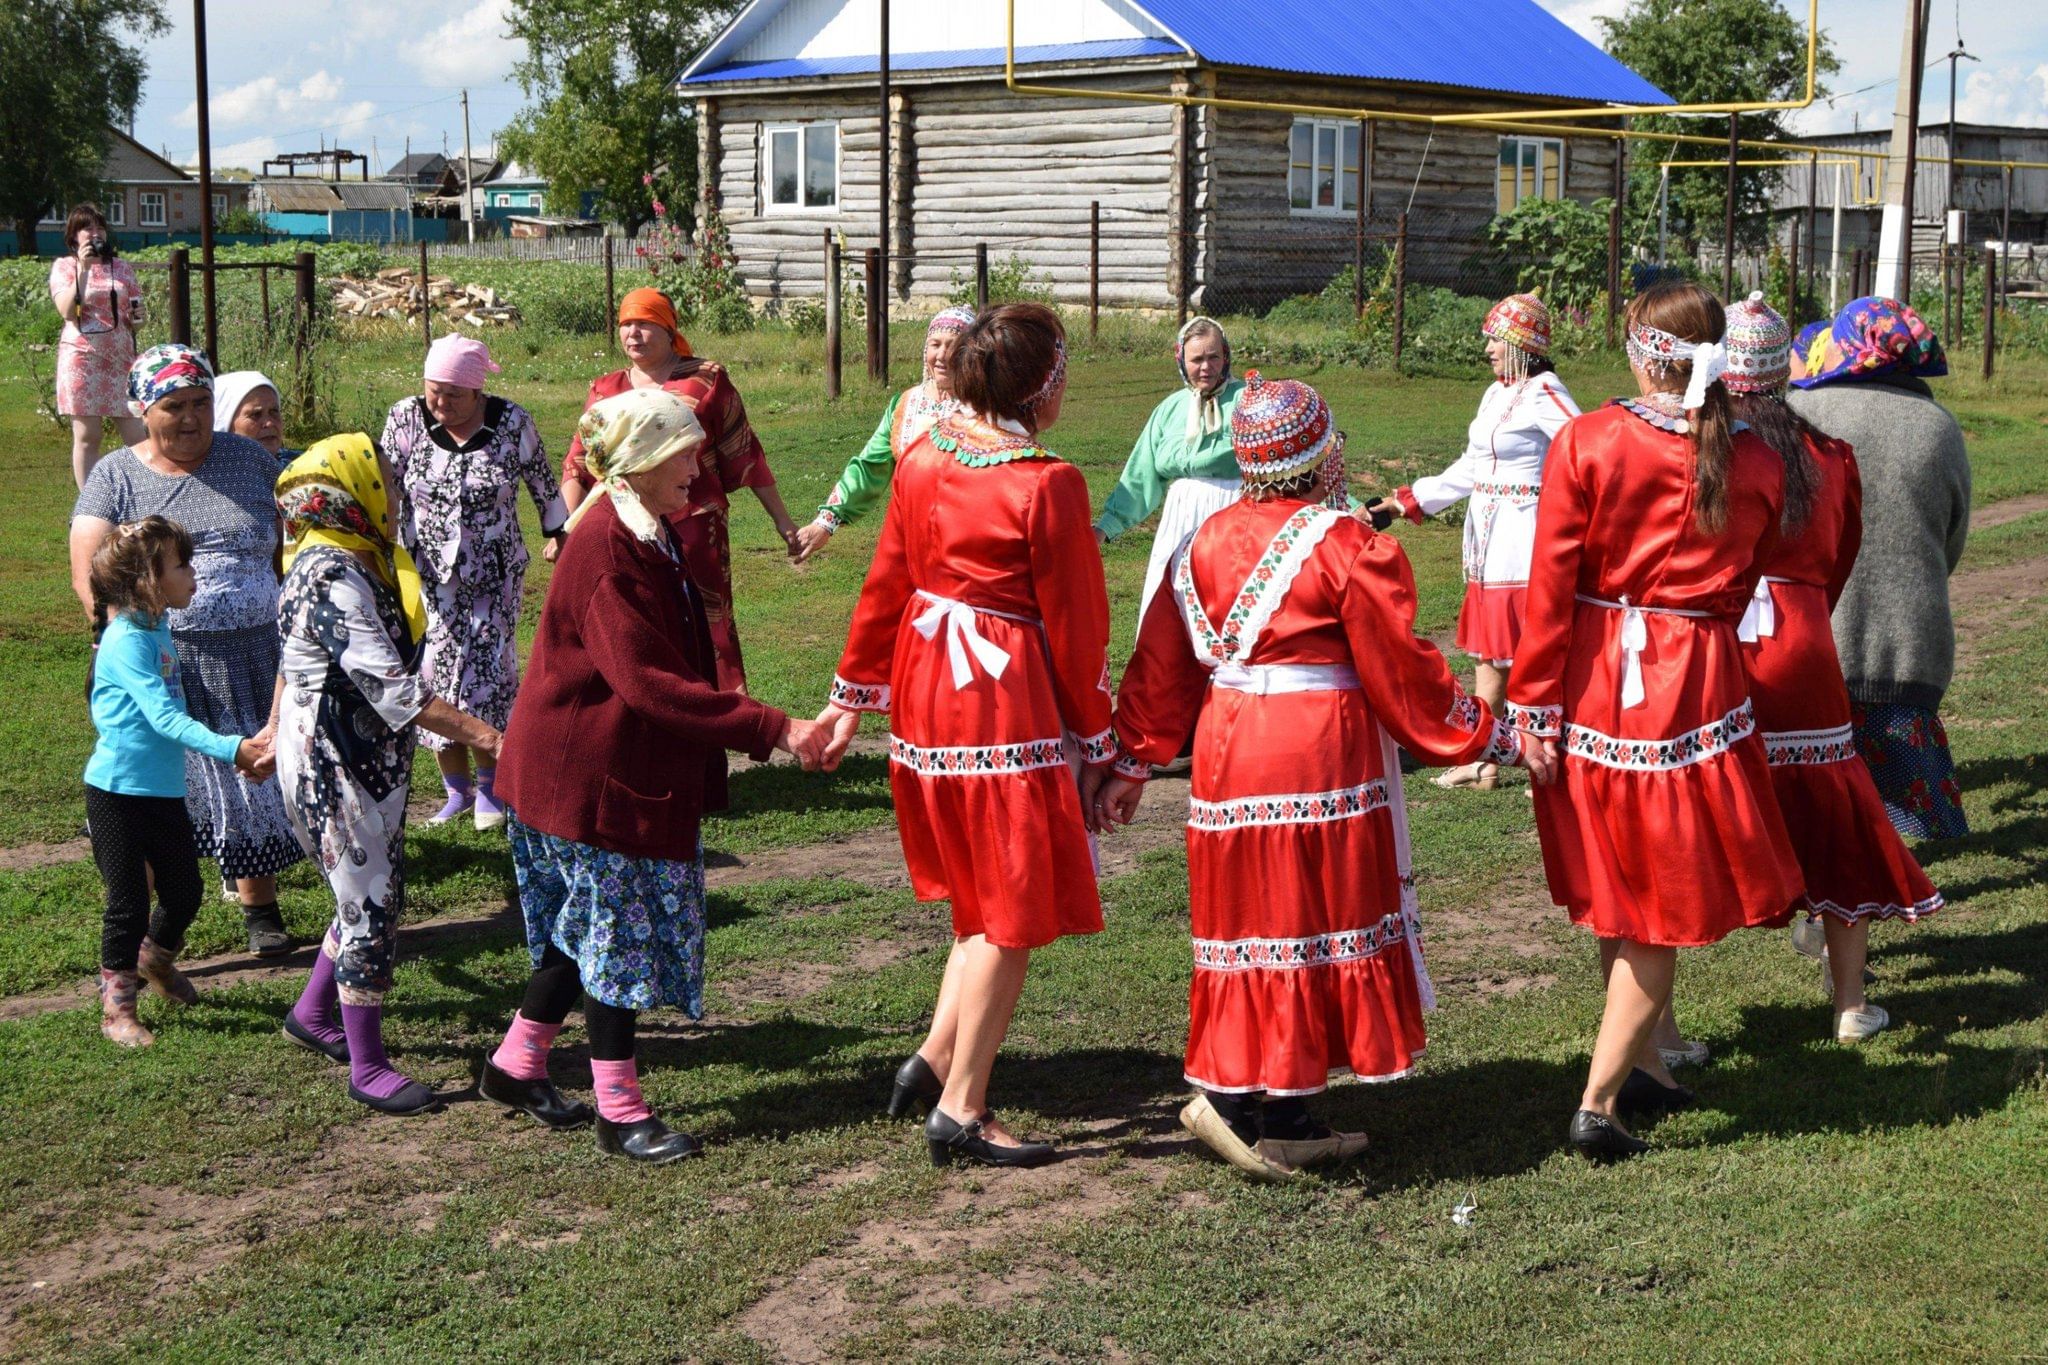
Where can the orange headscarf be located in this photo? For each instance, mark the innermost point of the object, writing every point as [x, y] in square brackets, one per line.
[651, 305]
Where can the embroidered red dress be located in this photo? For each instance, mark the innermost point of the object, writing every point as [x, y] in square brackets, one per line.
[732, 459]
[1307, 960]
[983, 632]
[1665, 828]
[1856, 865]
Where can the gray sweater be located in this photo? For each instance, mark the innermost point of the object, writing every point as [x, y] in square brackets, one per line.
[1892, 626]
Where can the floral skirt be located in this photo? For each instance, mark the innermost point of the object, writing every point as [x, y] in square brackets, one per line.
[1906, 749]
[635, 926]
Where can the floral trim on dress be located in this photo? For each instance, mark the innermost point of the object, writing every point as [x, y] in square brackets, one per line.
[1662, 755]
[832, 520]
[1504, 747]
[1294, 808]
[1789, 748]
[1098, 748]
[1544, 722]
[1514, 491]
[1291, 954]
[1262, 592]
[1132, 768]
[1874, 910]
[978, 445]
[1464, 712]
[984, 760]
[852, 696]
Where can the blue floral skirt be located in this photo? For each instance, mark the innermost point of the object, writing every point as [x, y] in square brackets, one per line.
[1906, 750]
[635, 926]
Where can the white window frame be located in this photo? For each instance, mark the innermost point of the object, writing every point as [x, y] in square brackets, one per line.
[1531, 158]
[1345, 182]
[55, 215]
[803, 132]
[220, 205]
[163, 208]
[117, 209]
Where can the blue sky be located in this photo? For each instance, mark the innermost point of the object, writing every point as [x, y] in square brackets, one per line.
[292, 75]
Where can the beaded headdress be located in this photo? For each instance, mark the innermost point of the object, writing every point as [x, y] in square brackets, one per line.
[1759, 347]
[1281, 430]
[1658, 353]
[1054, 377]
[1523, 322]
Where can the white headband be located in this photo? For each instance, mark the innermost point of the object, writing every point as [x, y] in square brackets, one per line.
[1656, 349]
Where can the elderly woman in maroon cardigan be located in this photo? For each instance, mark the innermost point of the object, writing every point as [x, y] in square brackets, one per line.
[614, 750]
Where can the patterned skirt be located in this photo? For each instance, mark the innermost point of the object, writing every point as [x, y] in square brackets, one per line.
[635, 926]
[1906, 749]
[229, 678]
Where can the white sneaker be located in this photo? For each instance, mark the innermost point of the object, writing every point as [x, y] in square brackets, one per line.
[1853, 1026]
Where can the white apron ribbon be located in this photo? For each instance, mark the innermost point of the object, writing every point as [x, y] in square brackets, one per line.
[963, 639]
[1270, 679]
[1760, 617]
[1635, 638]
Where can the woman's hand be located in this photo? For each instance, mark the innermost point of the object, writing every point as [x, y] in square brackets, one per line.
[490, 741]
[812, 538]
[842, 725]
[809, 743]
[1539, 756]
[255, 759]
[1117, 803]
[1379, 513]
[792, 539]
[551, 550]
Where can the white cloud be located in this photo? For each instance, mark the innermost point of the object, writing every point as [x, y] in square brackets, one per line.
[2004, 94]
[469, 49]
[1580, 14]
[266, 99]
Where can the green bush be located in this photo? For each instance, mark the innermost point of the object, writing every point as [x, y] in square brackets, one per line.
[1556, 245]
[1009, 281]
[27, 317]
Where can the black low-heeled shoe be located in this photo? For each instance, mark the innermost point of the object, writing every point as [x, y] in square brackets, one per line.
[952, 1141]
[917, 1085]
[1645, 1094]
[650, 1140]
[267, 934]
[537, 1099]
[410, 1098]
[1598, 1138]
[298, 1033]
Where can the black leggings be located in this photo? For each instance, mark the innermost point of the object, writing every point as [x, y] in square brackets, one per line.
[551, 994]
[131, 837]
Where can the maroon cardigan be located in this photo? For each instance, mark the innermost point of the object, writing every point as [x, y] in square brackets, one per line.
[617, 740]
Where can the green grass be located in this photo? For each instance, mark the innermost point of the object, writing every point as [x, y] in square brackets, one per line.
[1824, 1203]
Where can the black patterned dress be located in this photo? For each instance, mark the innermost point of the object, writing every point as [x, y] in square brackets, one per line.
[458, 516]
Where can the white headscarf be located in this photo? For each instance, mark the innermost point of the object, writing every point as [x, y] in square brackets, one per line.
[1205, 414]
[631, 433]
[231, 390]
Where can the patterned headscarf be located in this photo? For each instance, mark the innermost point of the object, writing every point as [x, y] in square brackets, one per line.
[1873, 337]
[1803, 344]
[631, 433]
[1523, 322]
[1205, 414]
[952, 321]
[651, 305]
[1282, 430]
[1759, 345]
[334, 494]
[162, 370]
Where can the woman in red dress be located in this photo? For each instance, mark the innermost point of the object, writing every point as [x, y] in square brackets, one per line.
[1857, 868]
[983, 632]
[733, 460]
[1655, 522]
[1297, 623]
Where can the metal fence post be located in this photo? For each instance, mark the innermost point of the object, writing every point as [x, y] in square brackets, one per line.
[263, 284]
[1400, 285]
[426, 302]
[611, 296]
[833, 340]
[1990, 307]
[181, 296]
[981, 277]
[302, 335]
[1792, 290]
[1360, 194]
[1094, 266]
[1948, 282]
[876, 303]
[1613, 266]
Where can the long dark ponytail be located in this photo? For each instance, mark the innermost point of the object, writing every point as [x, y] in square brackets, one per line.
[1786, 432]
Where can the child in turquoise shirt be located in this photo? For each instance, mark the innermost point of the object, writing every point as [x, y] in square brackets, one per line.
[135, 779]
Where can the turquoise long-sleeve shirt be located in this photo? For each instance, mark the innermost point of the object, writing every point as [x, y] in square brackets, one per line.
[138, 707]
[1164, 453]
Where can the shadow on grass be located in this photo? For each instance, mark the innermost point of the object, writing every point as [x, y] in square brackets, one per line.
[860, 784]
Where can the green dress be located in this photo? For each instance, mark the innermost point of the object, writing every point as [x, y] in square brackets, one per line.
[1164, 454]
[866, 477]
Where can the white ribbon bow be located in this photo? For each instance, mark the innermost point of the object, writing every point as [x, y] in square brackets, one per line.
[1760, 617]
[1709, 363]
[1635, 638]
[962, 638]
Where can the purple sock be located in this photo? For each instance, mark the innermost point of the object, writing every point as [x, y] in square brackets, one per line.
[369, 1070]
[319, 1001]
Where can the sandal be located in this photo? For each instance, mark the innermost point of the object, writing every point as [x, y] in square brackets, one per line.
[1482, 776]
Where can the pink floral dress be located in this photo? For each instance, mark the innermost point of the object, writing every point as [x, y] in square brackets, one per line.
[94, 353]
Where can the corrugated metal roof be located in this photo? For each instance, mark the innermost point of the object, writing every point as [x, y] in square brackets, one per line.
[371, 194]
[793, 68]
[298, 196]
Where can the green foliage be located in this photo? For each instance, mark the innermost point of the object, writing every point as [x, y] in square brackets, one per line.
[710, 289]
[242, 222]
[1010, 280]
[1557, 246]
[68, 70]
[26, 313]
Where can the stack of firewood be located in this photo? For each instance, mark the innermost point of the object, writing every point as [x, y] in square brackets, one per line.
[396, 294]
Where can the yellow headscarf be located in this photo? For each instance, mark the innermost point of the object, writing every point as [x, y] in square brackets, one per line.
[631, 433]
[334, 494]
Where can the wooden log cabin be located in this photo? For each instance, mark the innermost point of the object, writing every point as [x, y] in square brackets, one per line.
[1227, 208]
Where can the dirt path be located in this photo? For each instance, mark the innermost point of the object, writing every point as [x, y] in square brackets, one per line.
[2007, 511]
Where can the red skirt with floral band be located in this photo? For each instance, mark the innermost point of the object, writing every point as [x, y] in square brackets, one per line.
[1490, 622]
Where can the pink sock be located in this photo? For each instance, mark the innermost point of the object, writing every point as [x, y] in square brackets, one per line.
[524, 1054]
[618, 1091]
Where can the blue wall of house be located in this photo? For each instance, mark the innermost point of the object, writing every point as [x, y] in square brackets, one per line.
[50, 241]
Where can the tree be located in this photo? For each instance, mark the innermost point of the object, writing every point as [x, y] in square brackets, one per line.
[604, 112]
[68, 70]
[1703, 52]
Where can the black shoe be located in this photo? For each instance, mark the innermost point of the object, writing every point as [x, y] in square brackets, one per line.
[267, 936]
[538, 1099]
[296, 1032]
[916, 1085]
[410, 1098]
[650, 1140]
[1645, 1094]
[1598, 1138]
[951, 1141]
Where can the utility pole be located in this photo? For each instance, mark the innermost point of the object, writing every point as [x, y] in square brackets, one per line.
[1948, 217]
[468, 171]
[881, 304]
[1895, 240]
[205, 182]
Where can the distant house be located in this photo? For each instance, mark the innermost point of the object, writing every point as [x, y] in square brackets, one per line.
[344, 210]
[421, 170]
[446, 199]
[513, 189]
[1221, 207]
[146, 194]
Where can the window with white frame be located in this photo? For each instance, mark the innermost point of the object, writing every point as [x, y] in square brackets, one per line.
[117, 210]
[1530, 168]
[55, 215]
[220, 207]
[152, 208]
[800, 165]
[1322, 166]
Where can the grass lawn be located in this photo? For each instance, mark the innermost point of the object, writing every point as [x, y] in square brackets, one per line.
[218, 1196]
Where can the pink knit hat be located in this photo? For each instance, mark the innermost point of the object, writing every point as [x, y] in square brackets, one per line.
[462, 361]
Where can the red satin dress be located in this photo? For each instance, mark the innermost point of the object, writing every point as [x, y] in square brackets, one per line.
[1665, 828]
[1856, 865]
[1290, 629]
[983, 632]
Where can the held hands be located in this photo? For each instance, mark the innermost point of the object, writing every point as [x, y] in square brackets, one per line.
[491, 741]
[256, 757]
[1111, 802]
[809, 742]
[1379, 512]
[841, 725]
[792, 539]
[811, 539]
[1539, 756]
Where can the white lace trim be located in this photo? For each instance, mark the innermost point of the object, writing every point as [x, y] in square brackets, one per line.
[1795, 748]
[1292, 808]
[1662, 755]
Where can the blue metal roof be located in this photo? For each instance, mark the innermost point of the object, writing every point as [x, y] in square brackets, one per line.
[1506, 45]
[794, 68]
